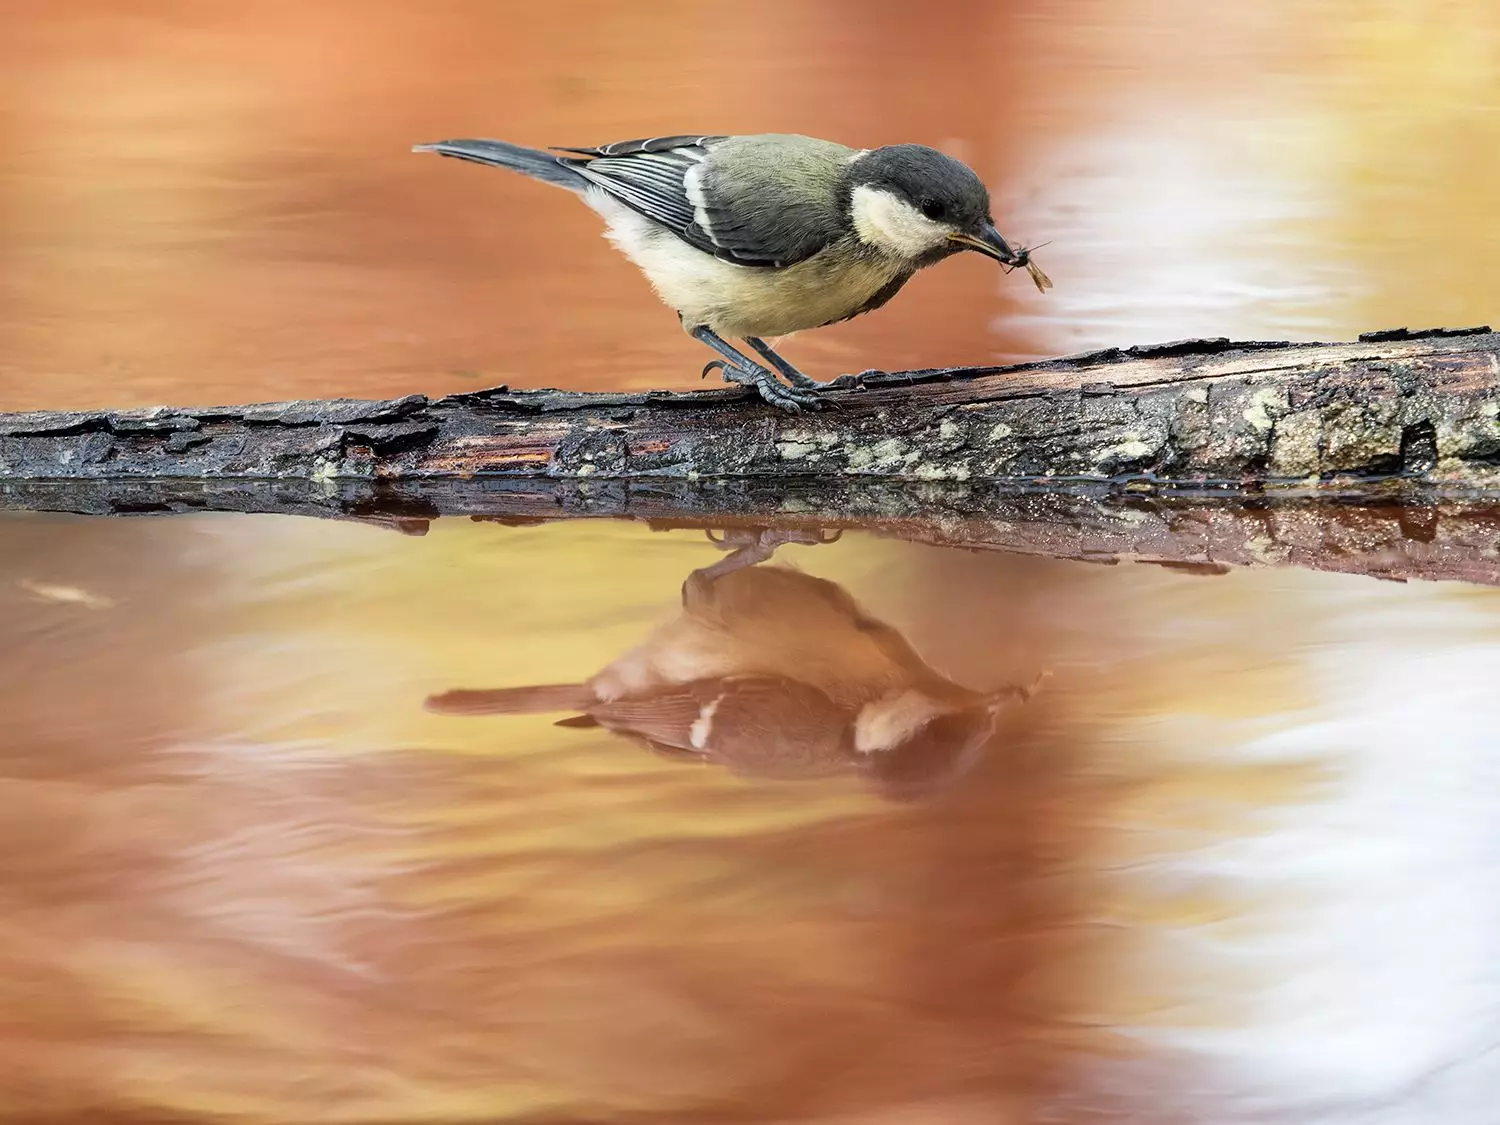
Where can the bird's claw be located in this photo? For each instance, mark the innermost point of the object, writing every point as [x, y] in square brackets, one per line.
[738, 538]
[770, 388]
[838, 383]
[1025, 692]
[778, 394]
[845, 383]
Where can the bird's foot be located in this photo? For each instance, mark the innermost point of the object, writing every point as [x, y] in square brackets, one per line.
[788, 370]
[765, 383]
[1025, 692]
[808, 383]
[733, 538]
[751, 546]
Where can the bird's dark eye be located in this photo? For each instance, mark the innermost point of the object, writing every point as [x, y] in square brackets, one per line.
[933, 209]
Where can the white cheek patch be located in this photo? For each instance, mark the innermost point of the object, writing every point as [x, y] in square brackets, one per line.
[889, 222]
[890, 721]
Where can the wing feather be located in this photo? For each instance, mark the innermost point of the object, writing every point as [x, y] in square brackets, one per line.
[754, 201]
[647, 144]
[665, 717]
[768, 726]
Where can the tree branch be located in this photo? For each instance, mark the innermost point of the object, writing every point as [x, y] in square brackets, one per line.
[1201, 455]
[1421, 406]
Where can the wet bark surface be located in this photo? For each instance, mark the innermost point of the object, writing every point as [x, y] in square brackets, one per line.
[1418, 406]
[1379, 457]
[1399, 531]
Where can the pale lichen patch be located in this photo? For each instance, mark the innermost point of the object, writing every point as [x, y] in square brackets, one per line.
[1295, 444]
[1131, 451]
[1473, 433]
[1354, 437]
[959, 472]
[1266, 405]
[889, 455]
[1266, 551]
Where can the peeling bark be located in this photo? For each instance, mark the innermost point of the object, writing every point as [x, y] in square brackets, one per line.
[1418, 406]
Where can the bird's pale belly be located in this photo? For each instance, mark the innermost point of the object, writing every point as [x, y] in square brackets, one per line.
[747, 300]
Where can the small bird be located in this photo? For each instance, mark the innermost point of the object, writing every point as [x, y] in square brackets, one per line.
[769, 234]
[773, 673]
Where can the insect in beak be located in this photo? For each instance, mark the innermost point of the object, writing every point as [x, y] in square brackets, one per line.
[1023, 258]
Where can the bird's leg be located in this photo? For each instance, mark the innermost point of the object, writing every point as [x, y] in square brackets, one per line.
[1022, 692]
[741, 557]
[751, 547]
[792, 375]
[746, 372]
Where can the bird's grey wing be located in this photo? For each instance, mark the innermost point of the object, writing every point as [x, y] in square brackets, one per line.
[764, 725]
[651, 177]
[776, 727]
[664, 718]
[772, 199]
[656, 185]
[754, 201]
[645, 145]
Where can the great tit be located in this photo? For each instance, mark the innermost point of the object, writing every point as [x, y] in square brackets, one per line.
[772, 673]
[765, 235]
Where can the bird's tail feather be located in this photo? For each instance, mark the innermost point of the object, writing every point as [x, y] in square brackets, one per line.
[531, 162]
[534, 700]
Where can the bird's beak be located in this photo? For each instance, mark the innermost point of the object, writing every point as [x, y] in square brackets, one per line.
[1000, 698]
[988, 241]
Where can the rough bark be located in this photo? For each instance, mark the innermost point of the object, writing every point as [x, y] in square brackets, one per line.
[1420, 406]
[1379, 457]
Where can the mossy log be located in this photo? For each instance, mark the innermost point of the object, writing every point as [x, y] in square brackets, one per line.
[1199, 413]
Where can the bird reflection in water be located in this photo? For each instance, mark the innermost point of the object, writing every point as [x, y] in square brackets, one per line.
[773, 673]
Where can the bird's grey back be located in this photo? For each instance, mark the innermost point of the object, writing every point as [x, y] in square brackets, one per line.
[768, 199]
[774, 197]
[758, 200]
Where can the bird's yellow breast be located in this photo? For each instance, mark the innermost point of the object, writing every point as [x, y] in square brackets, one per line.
[738, 300]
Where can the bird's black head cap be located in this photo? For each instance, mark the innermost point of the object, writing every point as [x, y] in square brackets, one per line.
[937, 754]
[941, 188]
